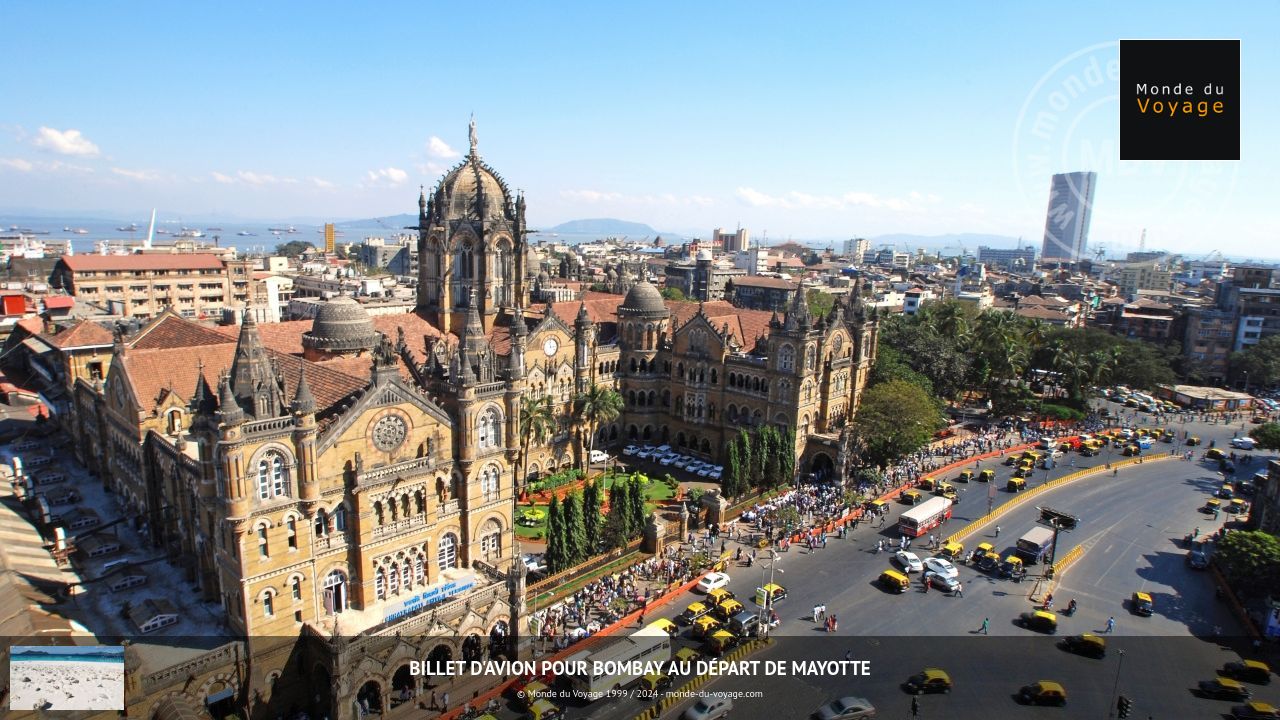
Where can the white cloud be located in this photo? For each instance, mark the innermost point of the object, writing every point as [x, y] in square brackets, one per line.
[390, 175]
[796, 200]
[65, 142]
[438, 148]
[322, 184]
[224, 179]
[16, 164]
[431, 169]
[136, 174]
[659, 199]
[259, 179]
[590, 196]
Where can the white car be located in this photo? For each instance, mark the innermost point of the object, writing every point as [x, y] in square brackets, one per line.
[680, 461]
[715, 474]
[713, 581]
[668, 459]
[664, 449]
[909, 561]
[941, 566]
[709, 708]
[706, 471]
[644, 453]
[630, 450]
[695, 466]
[846, 708]
[1243, 443]
[599, 456]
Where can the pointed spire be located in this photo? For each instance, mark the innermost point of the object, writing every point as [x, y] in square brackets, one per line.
[798, 317]
[254, 379]
[518, 327]
[583, 318]
[474, 326]
[203, 399]
[304, 403]
[229, 411]
[422, 201]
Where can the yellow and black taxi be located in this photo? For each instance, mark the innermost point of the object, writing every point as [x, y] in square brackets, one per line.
[929, 680]
[1016, 483]
[951, 550]
[1142, 604]
[948, 491]
[655, 682]
[1044, 692]
[720, 642]
[1022, 471]
[666, 626]
[1132, 450]
[989, 561]
[694, 611]
[685, 657]
[1224, 491]
[728, 609]
[533, 692]
[717, 596]
[1211, 506]
[1193, 441]
[987, 475]
[544, 710]
[1255, 711]
[1012, 460]
[876, 507]
[1214, 454]
[964, 476]
[911, 497]
[1237, 506]
[703, 626]
[1167, 436]
[770, 594]
[1041, 621]
[1086, 644]
[1252, 671]
[894, 581]
[926, 484]
[1221, 688]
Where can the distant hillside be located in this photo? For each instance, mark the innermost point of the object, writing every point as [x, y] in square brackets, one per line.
[602, 226]
[393, 221]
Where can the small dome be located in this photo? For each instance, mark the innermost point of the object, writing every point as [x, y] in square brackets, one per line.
[704, 254]
[341, 325]
[644, 297]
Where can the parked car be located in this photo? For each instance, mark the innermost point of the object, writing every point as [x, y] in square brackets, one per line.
[944, 583]
[599, 456]
[941, 566]
[630, 450]
[713, 581]
[709, 708]
[909, 561]
[846, 708]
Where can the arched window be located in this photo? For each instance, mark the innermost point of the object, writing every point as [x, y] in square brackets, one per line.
[489, 429]
[269, 603]
[465, 262]
[340, 518]
[175, 421]
[273, 482]
[491, 540]
[406, 573]
[322, 523]
[418, 570]
[447, 554]
[263, 549]
[380, 584]
[489, 483]
[713, 376]
[291, 531]
[810, 357]
[393, 580]
[335, 591]
[296, 586]
[786, 358]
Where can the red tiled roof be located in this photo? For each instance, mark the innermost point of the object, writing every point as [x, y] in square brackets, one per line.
[285, 337]
[59, 302]
[169, 330]
[744, 325]
[601, 308]
[1040, 312]
[762, 281]
[83, 334]
[33, 325]
[150, 261]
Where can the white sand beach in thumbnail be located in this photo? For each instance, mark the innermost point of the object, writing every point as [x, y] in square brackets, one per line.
[66, 685]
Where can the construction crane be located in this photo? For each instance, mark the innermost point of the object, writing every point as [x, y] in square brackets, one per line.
[1100, 253]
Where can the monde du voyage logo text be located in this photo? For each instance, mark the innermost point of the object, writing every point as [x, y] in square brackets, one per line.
[1180, 100]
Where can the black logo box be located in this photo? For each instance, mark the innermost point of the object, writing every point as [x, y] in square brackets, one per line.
[1154, 124]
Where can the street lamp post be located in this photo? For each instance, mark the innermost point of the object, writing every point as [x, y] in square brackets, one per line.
[1115, 689]
[767, 605]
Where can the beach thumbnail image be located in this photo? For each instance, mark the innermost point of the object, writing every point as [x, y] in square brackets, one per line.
[55, 677]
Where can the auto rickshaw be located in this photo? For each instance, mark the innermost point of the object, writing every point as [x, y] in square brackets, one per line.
[717, 596]
[989, 562]
[1015, 485]
[703, 626]
[926, 484]
[1131, 450]
[912, 497]
[1238, 507]
[666, 626]
[1254, 671]
[655, 682]
[947, 491]
[1142, 604]
[952, 550]
[720, 642]
[532, 693]
[1167, 436]
[695, 611]
[1023, 472]
[1012, 460]
[1214, 454]
[686, 657]
[930, 680]
[1012, 567]
[544, 710]
[770, 594]
[1212, 506]
[728, 609]
[1225, 491]
[894, 581]
[987, 475]
[876, 507]
[1193, 441]
[1087, 644]
[964, 476]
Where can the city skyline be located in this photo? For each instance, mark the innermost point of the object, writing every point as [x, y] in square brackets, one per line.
[836, 123]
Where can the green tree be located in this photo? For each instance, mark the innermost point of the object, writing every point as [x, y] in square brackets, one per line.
[293, 248]
[1250, 561]
[889, 365]
[673, 293]
[787, 457]
[746, 457]
[773, 457]
[730, 479]
[635, 508]
[557, 558]
[895, 419]
[598, 405]
[617, 526]
[592, 520]
[1259, 364]
[537, 423]
[759, 455]
[820, 303]
[1267, 435]
[575, 529]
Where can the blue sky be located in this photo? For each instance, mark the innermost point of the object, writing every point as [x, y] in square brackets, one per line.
[805, 121]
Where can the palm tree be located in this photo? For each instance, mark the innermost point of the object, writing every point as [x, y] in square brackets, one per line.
[537, 423]
[949, 319]
[597, 405]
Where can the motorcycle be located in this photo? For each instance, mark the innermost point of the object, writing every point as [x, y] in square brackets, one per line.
[1071, 609]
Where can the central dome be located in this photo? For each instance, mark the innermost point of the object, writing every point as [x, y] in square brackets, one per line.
[460, 187]
[341, 326]
[644, 297]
